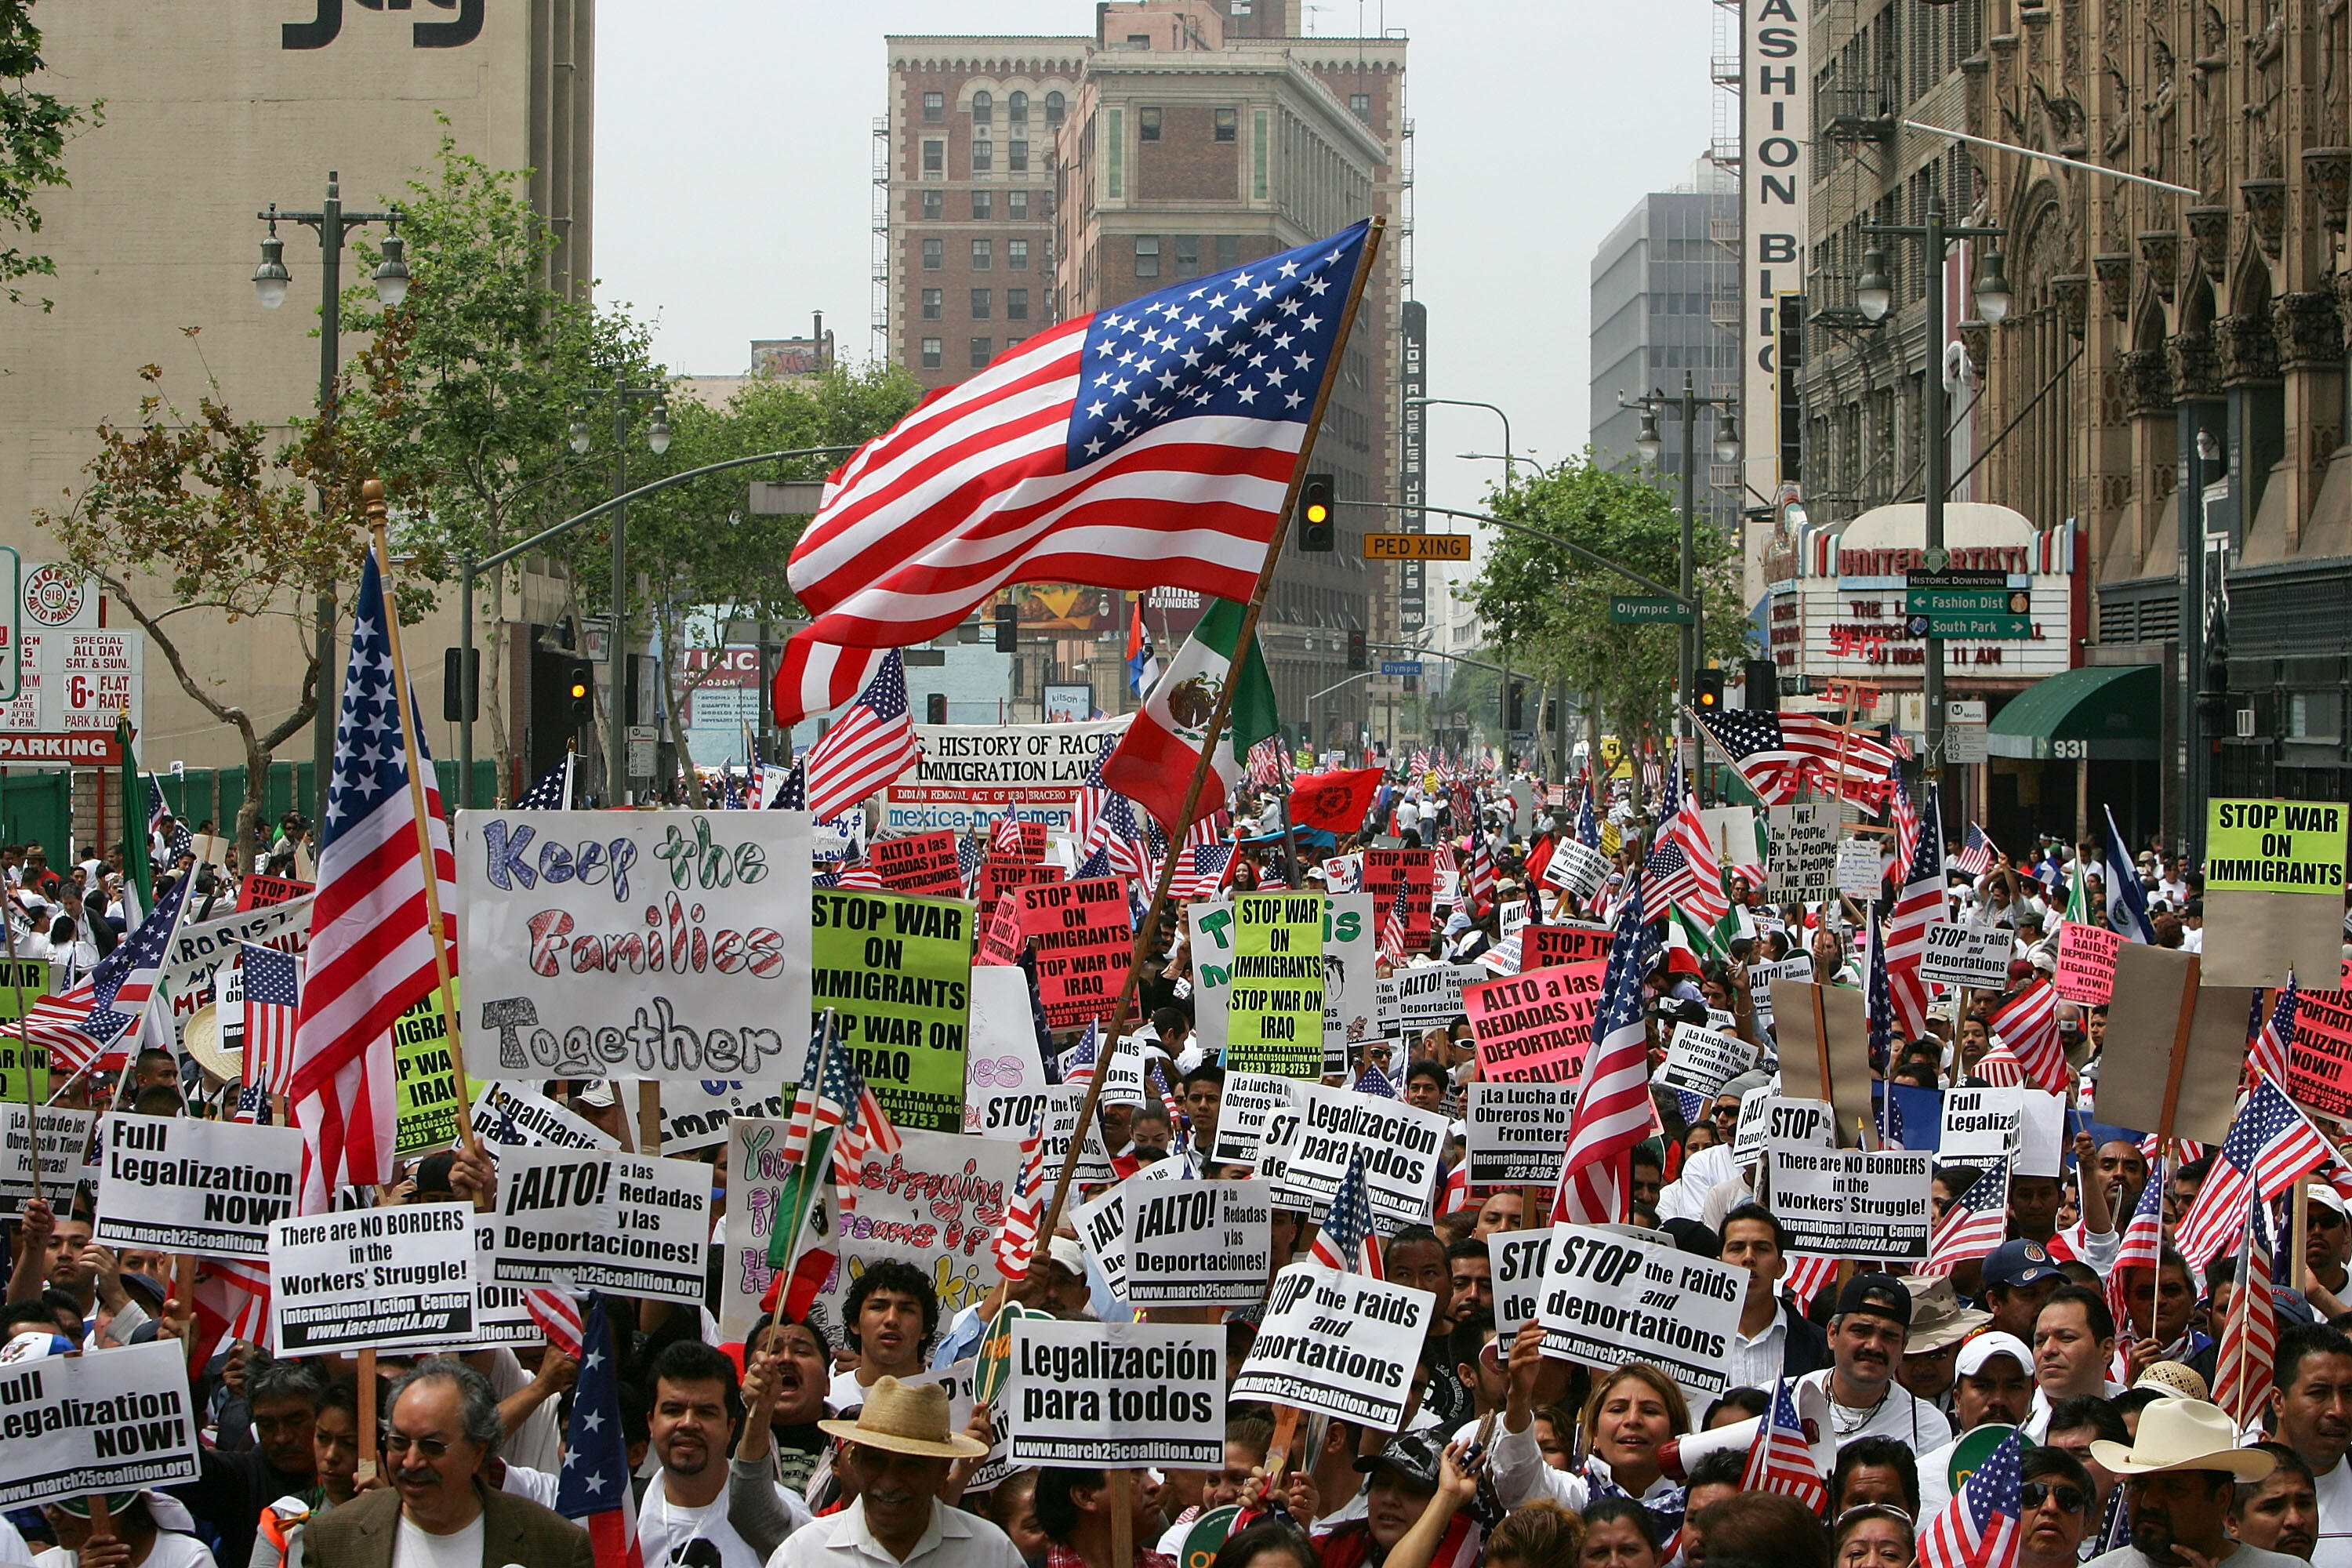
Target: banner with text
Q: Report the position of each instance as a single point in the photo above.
(214, 1188)
(398, 1279)
(897, 972)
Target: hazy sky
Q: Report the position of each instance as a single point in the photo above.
(734, 155)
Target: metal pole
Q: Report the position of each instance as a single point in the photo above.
(1689, 660)
(466, 685)
(330, 326)
(616, 753)
(1938, 459)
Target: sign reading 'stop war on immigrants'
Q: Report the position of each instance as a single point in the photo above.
(898, 973)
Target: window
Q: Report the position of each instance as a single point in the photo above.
(982, 301)
(1016, 204)
(984, 157)
(934, 205)
(932, 258)
(1147, 255)
(983, 107)
(1053, 108)
(1016, 109)
(1016, 156)
(934, 303)
(935, 108)
(984, 255)
(983, 351)
(1115, 161)
(1016, 305)
(1188, 255)
(981, 203)
(1012, 343)
(935, 158)
(1359, 104)
(1228, 125)
(1016, 256)
(1147, 124)
(1258, 173)
(1229, 251)
(932, 351)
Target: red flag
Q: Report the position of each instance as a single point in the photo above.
(1335, 802)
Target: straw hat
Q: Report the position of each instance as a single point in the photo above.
(1937, 1319)
(2184, 1434)
(202, 1038)
(2171, 1377)
(907, 1419)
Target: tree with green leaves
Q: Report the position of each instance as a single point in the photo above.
(34, 130)
(1548, 610)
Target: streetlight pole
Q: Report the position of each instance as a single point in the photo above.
(1727, 449)
(270, 279)
(1472, 403)
(616, 667)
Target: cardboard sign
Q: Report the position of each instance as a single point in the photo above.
(1349, 955)
(926, 864)
(603, 1221)
(202, 946)
(389, 1278)
(1273, 1012)
(1084, 938)
(1973, 956)
(1609, 1298)
(1859, 871)
(1429, 996)
(424, 1080)
(1004, 1073)
(1340, 1344)
(507, 1115)
(899, 973)
(2087, 962)
(1844, 1018)
(1980, 1123)
(1536, 1026)
(1576, 868)
(260, 892)
(1701, 1061)
(635, 945)
(1248, 1099)
(1000, 874)
(1325, 1128)
(65, 1135)
(1516, 1261)
(1416, 872)
(1085, 1395)
(695, 1115)
(112, 1421)
(2153, 986)
(1209, 927)
(1802, 867)
(936, 1204)
(1845, 1203)
(1518, 1132)
(172, 1184)
(1198, 1243)
(1551, 946)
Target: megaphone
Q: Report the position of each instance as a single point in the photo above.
(1682, 1455)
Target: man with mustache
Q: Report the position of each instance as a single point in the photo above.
(899, 1451)
(2180, 1473)
(1866, 1342)
(2310, 1412)
(696, 1408)
(2281, 1514)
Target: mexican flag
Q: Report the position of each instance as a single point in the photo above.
(1154, 760)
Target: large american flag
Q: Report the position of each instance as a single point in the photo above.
(273, 1004)
(866, 747)
(125, 981)
(1780, 753)
(1977, 852)
(593, 1488)
(2249, 1342)
(2273, 1041)
(1146, 446)
(1780, 1460)
(1973, 1226)
(2027, 1023)
(1979, 1527)
(372, 948)
(1346, 1240)
(2268, 1149)
(1918, 904)
(1613, 1107)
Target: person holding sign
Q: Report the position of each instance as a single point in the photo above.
(1631, 1416)
(145, 1528)
(899, 1451)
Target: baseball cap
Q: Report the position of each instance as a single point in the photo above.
(1066, 1251)
(598, 1094)
(1413, 1455)
(1882, 1294)
(1984, 1347)
(2327, 1197)
(2016, 1263)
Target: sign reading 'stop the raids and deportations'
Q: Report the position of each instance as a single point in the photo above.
(658, 944)
(1609, 1298)
(1342, 1344)
(110, 1421)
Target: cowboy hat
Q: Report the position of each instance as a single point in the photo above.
(2184, 1434)
(906, 1419)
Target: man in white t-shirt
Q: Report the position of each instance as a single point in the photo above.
(893, 1314)
(1867, 1338)
(696, 1404)
(2311, 1410)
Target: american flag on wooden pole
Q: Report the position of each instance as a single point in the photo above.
(273, 1006)
(2269, 1148)
(1977, 852)
(2241, 1373)
(1979, 1527)
(1780, 753)
(1613, 1107)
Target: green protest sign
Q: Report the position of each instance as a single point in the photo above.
(2274, 846)
(898, 972)
(1273, 1015)
(22, 980)
(424, 1080)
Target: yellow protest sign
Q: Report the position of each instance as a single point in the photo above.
(22, 980)
(425, 1083)
(2274, 846)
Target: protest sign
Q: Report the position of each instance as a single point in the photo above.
(999, 942)
(114, 1421)
(936, 1204)
(1513, 916)
(1609, 1298)
(645, 945)
(1767, 1118)
(1273, 1012)
(2274, 846)
(1576, 868)
(1534, 1026)
(1344, 874)
(260, 892)
(757, 1174)
(202, 946)
(1973, 956)
(509, 1115)
(2043, 1137)
(1004, 1073)
(1101, 1222)
(1197, 1244)
(1120, 1394)
(1517, 1133)
(2319, 1065)
(174, 1184)
(899, 973)
(1980, 1123)
(1846, 1203)
(500, 1316)
(2142, 1058)
(1732, 831)
(969, 776)
(1429, 995)
(2087, 962)
(1386, 1009)
(1551, 946)
(1702, 1062)
(64, 1137)
(1241, 1111)
(389, 1278)
(925, 864)
(424, 1078)
(1062, 1106)
(606, 1221)
(693, 1114)
(21, 981)
(1000, 874)
(1400, 1144)
(1350, 952)
(1802, 865)
(1415, 871)
(1340, 1344)
(1516, 1261)
(1858, 872)
(1084, 937)
(1209, 927)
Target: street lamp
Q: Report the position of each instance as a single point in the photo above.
(1872, 294)
(1472, 402)
(616, 754)
(1647, 443)
(1727, 450)
(270, 281)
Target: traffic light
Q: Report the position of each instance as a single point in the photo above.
(936, 708)
(580, 690)
(1359, 658)
(1314, 528)
(1710, 692)
(1763, 681)
(461, 684)
(1008, 629)
(1551, 713)
(1516, 717)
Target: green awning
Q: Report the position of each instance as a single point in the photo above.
(2105, 714)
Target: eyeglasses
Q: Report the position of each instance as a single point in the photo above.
(2033, 1494)
(401, 1442)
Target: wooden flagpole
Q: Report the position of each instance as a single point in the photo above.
(1245, 645)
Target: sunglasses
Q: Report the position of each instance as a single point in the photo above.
(401, 1442)
(2033, 1494)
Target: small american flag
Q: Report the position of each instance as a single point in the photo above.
(1392, 927)
(1478, 876)
(1268, 764)
(811, 1109)
(1780, 1460)
(593, 1488)
(1346, 1240)
(1211, 872)
(970, 853)
(55, 1024)
(1979, 1527)
(1780, 753)
(1374, 1081)
(1809, 1275)
(2142, 1248)
(866, 1129)
(231, 1302)
(2242, 1375)
(1078, 1062)
(557, 1313)
(2000, 1067)
(2028, 1024)
(1016, 1239)
(125, 981)
(868, 746)
(1973, 1226)
(2269, 1147)
(1918, 904)
(1977, 852)
(551, 791)
(791, 795)
(273, 1005)
(2273, 1042)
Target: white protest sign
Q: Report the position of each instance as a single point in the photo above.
(2041, 1134)
(1120, 1394)
(1004, 1073)
(1609, 1298)
(1209, 924)
(1859, 871)
(389, 1278)
(634, 945)
(1769, 1118)
(1197, 1244)
(1386, 1008)
(1514, 915)
(1979, 1123)
(1703, 1061)
(608, 1221)
(1517, 1133)
(757, 1174)
(1351, 949)
(1063, 1103)
(1803, 867)
(1848, 1203)
(1400, 1144)
(500, 1316)
(177, 1185)
(510, 1116)
(1241, 1111)
(936, 1204)
(202, 946)
(694, 1112)
(108, 1421)
(1732, 831)
(1974, 956)
(1517, 1260)
(1721, 1022)
(65, 1135)
(1102, 1229)
(1344, 874)
(1576, 868)
(1341, 1344)
(1431, 995)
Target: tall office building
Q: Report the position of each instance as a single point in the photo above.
(1024, 180)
